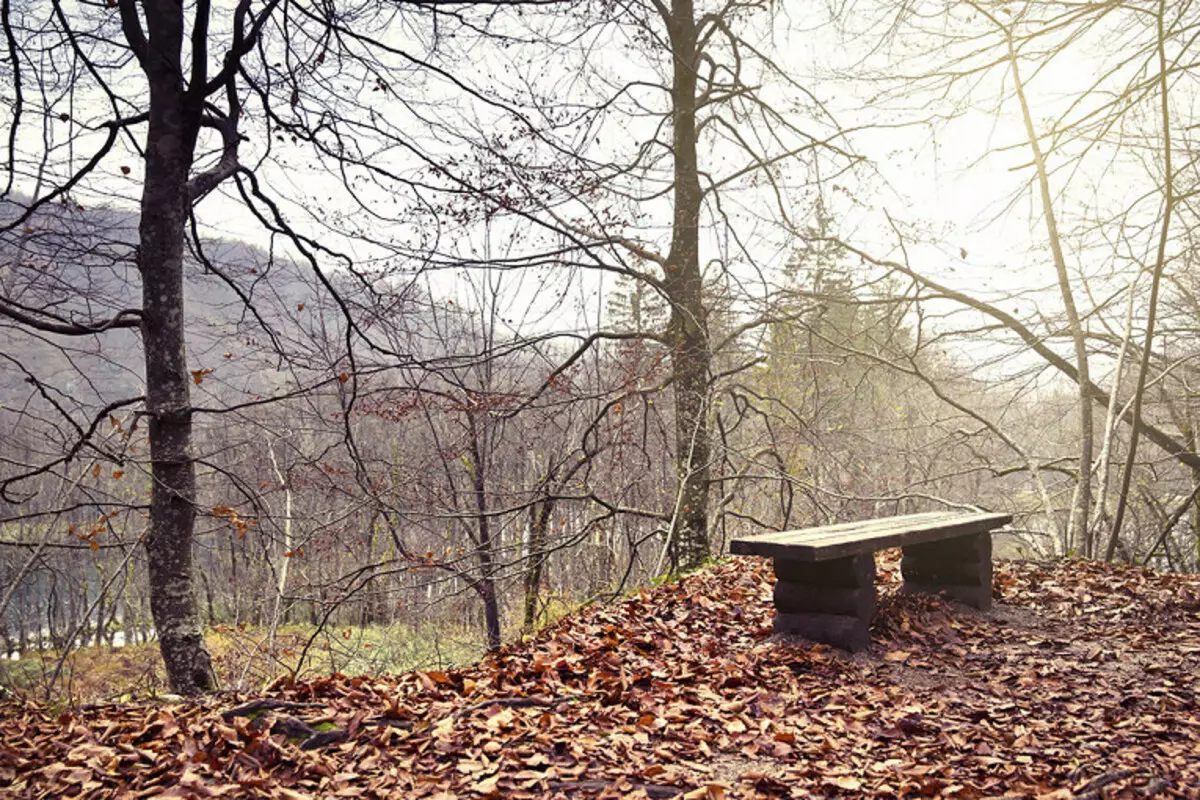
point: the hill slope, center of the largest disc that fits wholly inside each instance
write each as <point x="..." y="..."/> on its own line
<point x="1082" y="683"/>
<point x="79" y="264"/>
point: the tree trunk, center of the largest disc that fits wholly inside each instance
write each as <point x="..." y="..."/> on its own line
<point x="101" y="615"/>
<point x="9" y="648"/>
<point x="1079" y="514"/>
<point x="539" y="525"/>
<point x="485" y="555"/>
<point x="114" y="621"/>
<point x="1104" y="468"/>
<point x="235" y="596"/>
<point x="23" y="609"/>
<point x="688" y="329"/>
<point x="285" y="553"/>
<point x="1192" y="442"/>
<point x="210" y="610"/>
<point x="51" y="607"/>
<point x="1160" y="263"/>
<point x="131" y="620"/>
<point x="491" y="610"/>
<point x="170" y="142"/>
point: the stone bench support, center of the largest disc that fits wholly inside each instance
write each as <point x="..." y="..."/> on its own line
<point x="827" y="601"/>
<point x="960" y="568"/>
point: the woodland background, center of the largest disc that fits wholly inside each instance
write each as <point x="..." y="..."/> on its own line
<point x="370" y="335"/>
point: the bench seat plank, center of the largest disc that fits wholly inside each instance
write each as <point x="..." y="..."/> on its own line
<point x="848" y="538"/>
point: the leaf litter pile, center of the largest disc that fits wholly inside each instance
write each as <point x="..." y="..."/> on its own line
<point x="1084" y="682"/>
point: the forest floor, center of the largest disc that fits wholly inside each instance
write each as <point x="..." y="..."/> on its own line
<point x="1084" y="682"/>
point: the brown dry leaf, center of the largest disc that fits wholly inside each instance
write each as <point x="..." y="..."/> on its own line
<point x="682" y="686"/>
<point x="486" y="786"/>
<point x="847" y="782"/>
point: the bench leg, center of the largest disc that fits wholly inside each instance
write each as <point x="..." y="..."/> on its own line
<point x="829" y="601"/>
<point x="960" y="567"/>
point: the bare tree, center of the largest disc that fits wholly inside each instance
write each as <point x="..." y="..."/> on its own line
<point x="703" y="129"/>
<point x="158" y="103"/>
<point x="1016" y="65"/>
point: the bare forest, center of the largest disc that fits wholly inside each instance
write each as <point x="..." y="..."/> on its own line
<point x="372" y="335"/>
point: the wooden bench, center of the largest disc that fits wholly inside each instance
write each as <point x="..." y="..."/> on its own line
<point x="826" y="576"/>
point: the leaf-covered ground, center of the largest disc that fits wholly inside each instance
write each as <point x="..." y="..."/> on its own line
<point x="1083" y="682"/>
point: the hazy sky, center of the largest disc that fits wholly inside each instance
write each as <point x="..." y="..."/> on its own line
<point x="957" y="188"/>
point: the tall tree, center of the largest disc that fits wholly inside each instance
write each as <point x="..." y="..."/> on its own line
<point x="180" y="98"/>
<point x="157" y="103"/>
<point x="676" y="170"/>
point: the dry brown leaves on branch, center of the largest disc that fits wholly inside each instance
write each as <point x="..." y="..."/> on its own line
<point x="1083" y="683"/>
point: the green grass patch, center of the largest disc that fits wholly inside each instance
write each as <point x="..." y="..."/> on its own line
<point x="244" y="658"/>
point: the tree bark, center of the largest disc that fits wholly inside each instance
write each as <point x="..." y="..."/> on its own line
<point x="170" y="144"/>
<point x="485" y="585"/>
<point x="539" y="525"/>
<point x="688" y="326"/>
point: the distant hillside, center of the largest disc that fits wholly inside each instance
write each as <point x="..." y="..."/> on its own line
<point x="81" y="264"/>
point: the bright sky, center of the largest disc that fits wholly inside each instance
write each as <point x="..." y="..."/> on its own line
<point x="949" y="186"/>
